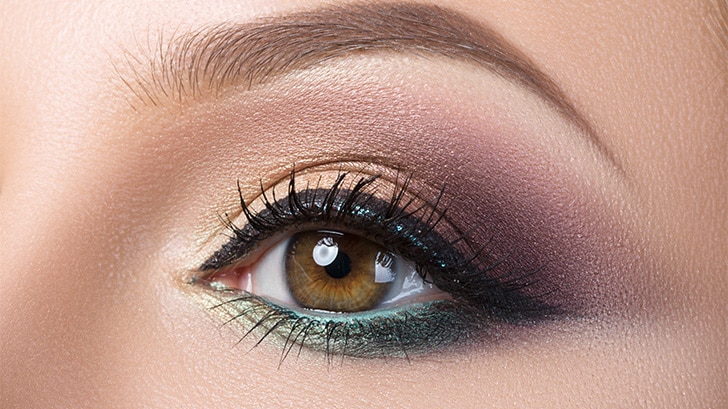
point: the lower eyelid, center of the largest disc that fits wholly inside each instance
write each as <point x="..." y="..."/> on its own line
<point x="422" y="329"/>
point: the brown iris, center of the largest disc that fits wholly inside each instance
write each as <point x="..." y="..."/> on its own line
<point x="337" y="272"/>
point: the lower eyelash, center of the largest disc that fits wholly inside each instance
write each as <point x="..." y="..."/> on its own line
<point x="402" y="333"/>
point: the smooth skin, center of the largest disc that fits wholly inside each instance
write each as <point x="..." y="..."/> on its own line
<point x="100" y="210"/>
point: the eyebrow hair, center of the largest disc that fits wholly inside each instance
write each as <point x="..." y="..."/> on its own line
<point x="253" y="53"/>
<point x="718" y="24"/>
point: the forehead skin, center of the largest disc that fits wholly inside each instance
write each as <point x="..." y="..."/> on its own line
<point x="90" y="317"/>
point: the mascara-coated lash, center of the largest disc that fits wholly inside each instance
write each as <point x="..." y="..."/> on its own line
<point x="406" y="224"/>
<point x="403" y="332"/>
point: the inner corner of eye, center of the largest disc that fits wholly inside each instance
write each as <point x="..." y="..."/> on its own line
<point x="240" y="275"/>
<point x="235" y="277"/>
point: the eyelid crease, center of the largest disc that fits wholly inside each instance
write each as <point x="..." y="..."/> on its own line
<point x="208" y="61"/>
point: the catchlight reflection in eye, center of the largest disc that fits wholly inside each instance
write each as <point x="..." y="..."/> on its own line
<point x="330" y="271"/>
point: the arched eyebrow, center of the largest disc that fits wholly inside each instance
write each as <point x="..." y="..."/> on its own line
<point x="211" y="60"/>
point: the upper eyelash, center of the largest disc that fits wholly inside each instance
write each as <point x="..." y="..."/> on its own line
<point x="294" y="210"/>
<point x="475" y="279"/>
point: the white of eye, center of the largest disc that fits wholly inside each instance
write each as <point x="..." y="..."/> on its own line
<point x="383" y="272"/>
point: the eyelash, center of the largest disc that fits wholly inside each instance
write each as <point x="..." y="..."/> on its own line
<point x="405" y="224"/>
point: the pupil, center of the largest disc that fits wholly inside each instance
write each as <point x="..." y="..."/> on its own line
<point x="340" y="267"/>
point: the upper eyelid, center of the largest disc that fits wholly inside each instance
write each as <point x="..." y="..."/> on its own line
<point x="210" y="60"/>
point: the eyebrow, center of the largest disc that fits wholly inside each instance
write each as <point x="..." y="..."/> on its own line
<point x="213" y="59"/>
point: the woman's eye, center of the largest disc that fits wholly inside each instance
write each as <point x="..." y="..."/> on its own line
<point x="331" y="271"/>
<point x="363" y="268"/>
